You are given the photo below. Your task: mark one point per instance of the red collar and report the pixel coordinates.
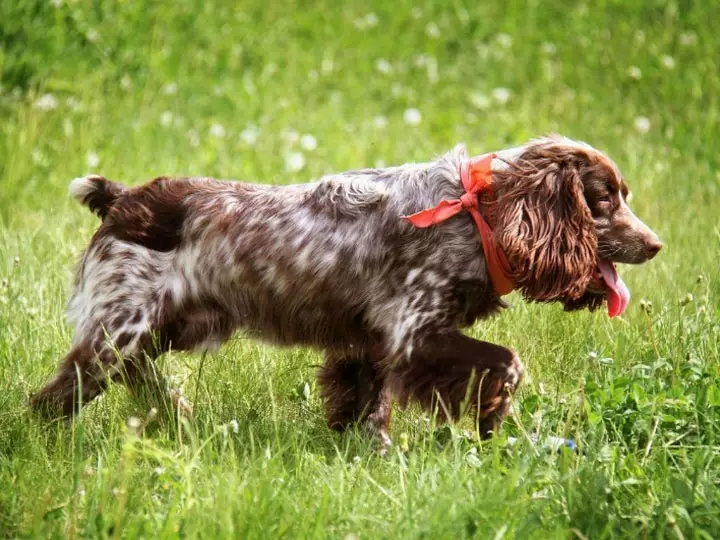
(476, 176)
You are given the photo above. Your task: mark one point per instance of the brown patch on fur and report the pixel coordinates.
(151, 215)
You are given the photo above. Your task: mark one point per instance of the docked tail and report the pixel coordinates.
(96, 192)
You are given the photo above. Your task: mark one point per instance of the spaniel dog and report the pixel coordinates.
(379, 268)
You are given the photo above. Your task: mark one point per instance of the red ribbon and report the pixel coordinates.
(476, 176)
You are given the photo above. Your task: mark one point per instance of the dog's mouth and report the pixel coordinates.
(608, 282)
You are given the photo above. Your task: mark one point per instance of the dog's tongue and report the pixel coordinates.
(618, 295)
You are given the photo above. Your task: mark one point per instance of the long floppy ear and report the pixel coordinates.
(544, 224)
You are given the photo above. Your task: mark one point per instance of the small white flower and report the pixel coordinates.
(480, 100)
(93, 160)
(134, 422)
(412, 117)
(634, 73)
(688, 39)
(170, 89)
(371, 20)
(504, 40)
(159, 470)
(166, 119)
(249, 135)
(432, 30)
(549, 48)
(126, 82)
(308, 142)
(233, 424)
(93, 36)
(47, 102)
(642, 124)
(217, 131)
(501, 95)
(193, 137)
(380, 122)
(383, 66)
(327, 65)
(668, 62)
(73, 104)
(294, 162)
(357, 459)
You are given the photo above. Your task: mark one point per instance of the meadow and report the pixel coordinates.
(283, 92)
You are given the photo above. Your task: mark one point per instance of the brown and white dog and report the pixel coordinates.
(182, 263)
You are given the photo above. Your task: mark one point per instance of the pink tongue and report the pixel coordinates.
(618, 295)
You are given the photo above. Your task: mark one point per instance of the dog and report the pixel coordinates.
(379, 268)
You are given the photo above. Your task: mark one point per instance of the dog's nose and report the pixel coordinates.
(653, 247)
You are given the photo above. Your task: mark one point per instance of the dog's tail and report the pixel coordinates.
(96, 192)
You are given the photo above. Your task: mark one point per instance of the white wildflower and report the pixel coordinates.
(234, 425)
(93, 160)
(327, 65)
(504, 40)
(480, 100)
(634, 73)
(46, 102)
(412, 117)
(134, 422)
(170, 89)
(294, 162)
(432, 30)
(549, 48)
(217, 131)
(668, 62)
(380, 122)
(371, 20)
(249, 135)
(126, 82)
(308, 142)
(93, 36)
(166, 119)
(501, 95)
(193, 137)
(688, 39)
(383, 66)
(642, 124)
(73, 104)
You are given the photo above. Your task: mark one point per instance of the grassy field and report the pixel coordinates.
(283, 92)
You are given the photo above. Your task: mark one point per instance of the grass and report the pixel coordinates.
(211, 88)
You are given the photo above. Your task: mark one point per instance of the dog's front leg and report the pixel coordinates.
(453, 374)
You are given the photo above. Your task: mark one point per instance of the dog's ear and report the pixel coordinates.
(544, 225)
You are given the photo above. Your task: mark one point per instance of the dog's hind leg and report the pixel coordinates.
(81, 377)
(353, 390)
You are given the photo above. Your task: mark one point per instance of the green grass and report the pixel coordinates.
(140, 88)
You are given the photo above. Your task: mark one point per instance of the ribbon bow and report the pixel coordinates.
(476, 176)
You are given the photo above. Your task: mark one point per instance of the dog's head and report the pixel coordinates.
(561, 215)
